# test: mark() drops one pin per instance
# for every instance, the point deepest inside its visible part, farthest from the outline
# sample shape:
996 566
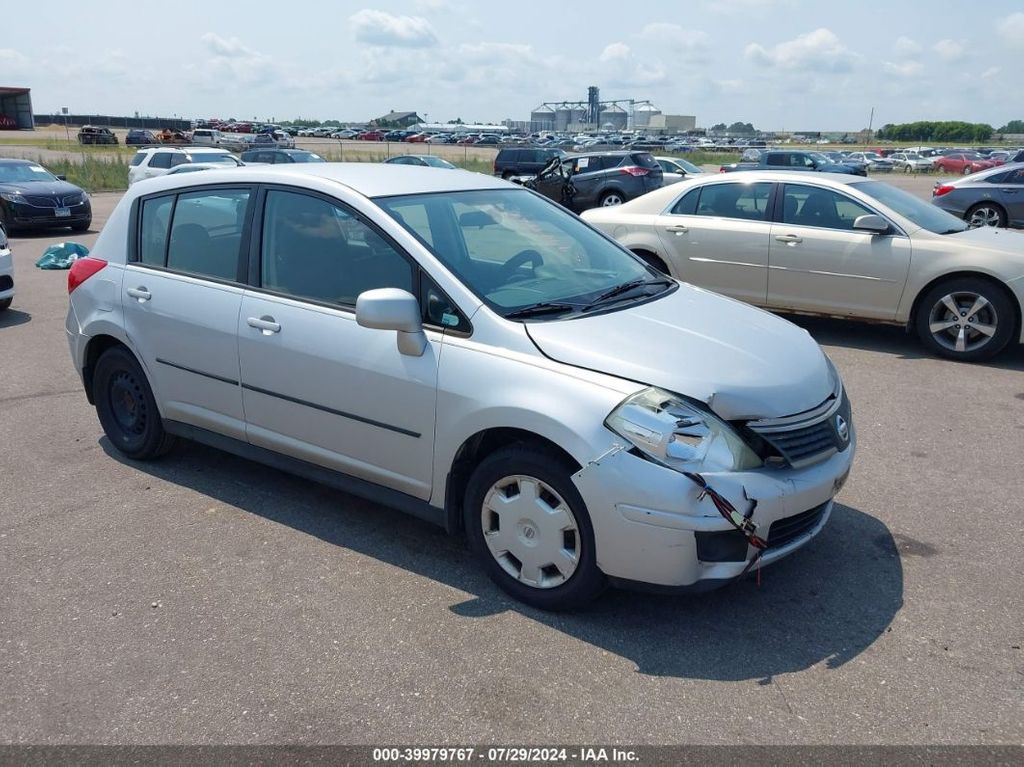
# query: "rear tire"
609 199
966 319
5 304
126 407
985 214
530 530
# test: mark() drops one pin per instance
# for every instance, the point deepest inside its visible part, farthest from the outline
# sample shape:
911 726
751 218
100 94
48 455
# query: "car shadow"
825 604
889 339
11 317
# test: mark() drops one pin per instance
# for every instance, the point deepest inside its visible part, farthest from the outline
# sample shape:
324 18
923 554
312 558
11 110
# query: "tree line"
926 130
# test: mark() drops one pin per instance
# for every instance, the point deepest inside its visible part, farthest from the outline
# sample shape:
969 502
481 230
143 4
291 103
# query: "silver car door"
718 234
316 385
181 298
1011 194
819 263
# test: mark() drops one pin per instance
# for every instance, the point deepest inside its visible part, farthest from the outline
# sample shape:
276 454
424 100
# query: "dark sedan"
993 197
32 197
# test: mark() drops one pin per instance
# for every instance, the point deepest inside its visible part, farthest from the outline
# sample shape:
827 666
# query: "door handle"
265 324
677 228
789 238
1008 191
140 293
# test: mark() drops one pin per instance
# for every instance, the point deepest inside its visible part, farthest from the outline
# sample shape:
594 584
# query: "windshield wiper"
625 287
538 310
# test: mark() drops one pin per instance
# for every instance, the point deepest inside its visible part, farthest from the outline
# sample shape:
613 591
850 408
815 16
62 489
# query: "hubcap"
530 531
963 321
984 217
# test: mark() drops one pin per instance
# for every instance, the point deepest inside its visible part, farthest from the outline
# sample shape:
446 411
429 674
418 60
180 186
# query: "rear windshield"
226 159
645 160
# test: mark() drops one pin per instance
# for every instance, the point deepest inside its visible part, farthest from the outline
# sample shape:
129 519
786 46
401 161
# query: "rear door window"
160 160
735 200
156 218
206 233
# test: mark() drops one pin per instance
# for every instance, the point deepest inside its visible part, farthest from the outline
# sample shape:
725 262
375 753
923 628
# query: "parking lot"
204 599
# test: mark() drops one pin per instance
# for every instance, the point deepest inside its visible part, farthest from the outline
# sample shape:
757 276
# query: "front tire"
965 318
126 407
5 304
81 227
529 528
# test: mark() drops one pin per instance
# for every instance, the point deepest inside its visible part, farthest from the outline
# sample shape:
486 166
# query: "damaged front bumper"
652 527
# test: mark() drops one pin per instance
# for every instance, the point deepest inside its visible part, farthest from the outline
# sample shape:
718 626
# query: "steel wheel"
612 198
963 321
985 215
126 407
530 531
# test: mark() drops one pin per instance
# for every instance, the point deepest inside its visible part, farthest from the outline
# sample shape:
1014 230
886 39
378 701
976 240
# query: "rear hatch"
655 176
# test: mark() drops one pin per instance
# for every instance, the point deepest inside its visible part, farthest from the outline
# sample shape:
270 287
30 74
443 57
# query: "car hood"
46 188
743 362
1007 242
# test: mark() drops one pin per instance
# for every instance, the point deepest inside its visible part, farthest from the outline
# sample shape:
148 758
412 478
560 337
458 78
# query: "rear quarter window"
137 159
645 160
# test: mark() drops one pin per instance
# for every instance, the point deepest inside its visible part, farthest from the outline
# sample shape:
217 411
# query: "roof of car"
16 161
366 178
184 149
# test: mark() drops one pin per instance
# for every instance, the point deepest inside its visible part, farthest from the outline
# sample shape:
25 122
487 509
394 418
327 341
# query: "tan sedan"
834 245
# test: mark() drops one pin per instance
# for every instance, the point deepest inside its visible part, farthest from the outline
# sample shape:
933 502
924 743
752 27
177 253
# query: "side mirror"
61 177
871 223
394 309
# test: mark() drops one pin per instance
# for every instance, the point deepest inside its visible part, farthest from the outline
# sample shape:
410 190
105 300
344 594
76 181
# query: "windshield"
18 174
437 162
306 157
517 251
686 165
921 213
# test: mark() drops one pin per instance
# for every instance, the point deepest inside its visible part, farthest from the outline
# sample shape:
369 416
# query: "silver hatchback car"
467 351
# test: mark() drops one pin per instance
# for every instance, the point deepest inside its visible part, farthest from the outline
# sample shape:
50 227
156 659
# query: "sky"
780 64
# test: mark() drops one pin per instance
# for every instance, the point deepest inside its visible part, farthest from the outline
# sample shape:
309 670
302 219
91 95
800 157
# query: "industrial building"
611 115
16 108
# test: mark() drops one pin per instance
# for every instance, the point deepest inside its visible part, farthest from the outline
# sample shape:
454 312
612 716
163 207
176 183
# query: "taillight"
941 189
634 170
82 269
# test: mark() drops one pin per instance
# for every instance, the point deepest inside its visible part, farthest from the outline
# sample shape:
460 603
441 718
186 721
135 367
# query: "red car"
370 135
417 138
964 163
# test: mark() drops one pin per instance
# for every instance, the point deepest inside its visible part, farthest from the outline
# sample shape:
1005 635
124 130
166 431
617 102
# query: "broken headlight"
680 434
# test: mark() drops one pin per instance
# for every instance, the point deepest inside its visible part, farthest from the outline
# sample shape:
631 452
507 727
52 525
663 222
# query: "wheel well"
476 449
653 259
613 190
97 345
996 283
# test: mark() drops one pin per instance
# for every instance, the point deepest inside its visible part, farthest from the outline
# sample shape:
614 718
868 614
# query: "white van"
207 137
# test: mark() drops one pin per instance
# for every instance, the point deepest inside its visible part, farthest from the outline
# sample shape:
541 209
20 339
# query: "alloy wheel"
963 321
984 216
611 199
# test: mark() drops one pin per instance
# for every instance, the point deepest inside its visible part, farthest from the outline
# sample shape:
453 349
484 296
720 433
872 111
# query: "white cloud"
231 60
1011 29
382 29
12 58
817 50
615 52
904 68
907 47
949 50
991 72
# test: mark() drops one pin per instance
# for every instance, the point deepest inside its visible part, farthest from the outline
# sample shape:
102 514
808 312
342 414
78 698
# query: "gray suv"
582 181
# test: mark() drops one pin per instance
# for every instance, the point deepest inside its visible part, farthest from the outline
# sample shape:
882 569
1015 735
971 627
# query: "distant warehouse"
16 108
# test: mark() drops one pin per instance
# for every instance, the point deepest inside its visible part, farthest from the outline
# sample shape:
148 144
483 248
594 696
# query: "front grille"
824 432
783 531
39 201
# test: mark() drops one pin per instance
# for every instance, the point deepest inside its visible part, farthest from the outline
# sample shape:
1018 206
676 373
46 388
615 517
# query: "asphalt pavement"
204 599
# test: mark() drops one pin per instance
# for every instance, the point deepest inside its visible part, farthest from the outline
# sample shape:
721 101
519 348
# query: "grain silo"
542 118
643 113
613 117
